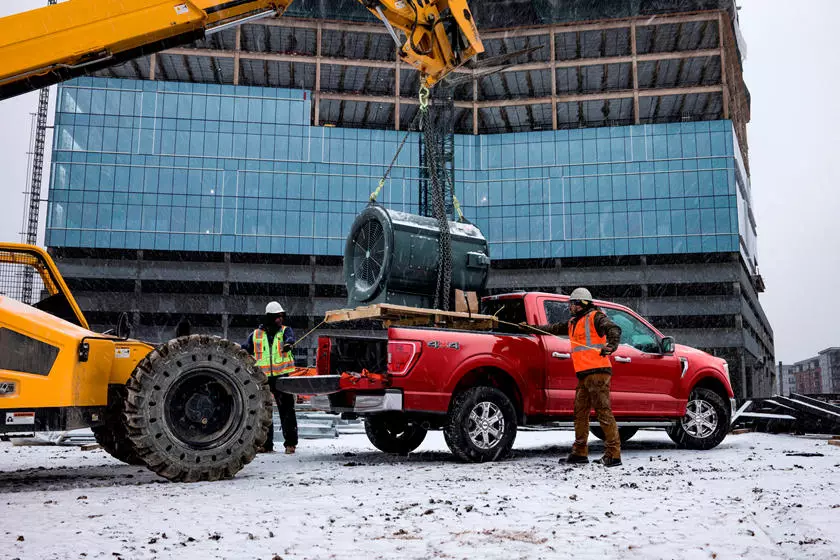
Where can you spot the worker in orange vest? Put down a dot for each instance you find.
(594, 337)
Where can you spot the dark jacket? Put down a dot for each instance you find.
(603, 326)
(288, 338)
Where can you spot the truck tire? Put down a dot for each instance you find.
(705, 424)
(394, 434)
(624, 433)
(197, 409)
(481, 425)
(112, 434)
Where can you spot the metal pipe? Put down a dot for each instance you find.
(388, 26)
(228, 25)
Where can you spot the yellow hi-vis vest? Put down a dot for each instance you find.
(272, 360)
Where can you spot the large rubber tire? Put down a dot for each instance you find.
(197, 409)
(490, 405)
(624, 433)
(112, 435)
(392, 433)
(688, 435)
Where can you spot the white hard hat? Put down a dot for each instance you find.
(273, 308)
(581, 294)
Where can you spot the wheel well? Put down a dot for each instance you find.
(714, 385)
(492, 377)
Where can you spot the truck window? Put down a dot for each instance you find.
(508, 310)
(634, 332)
(557, 312)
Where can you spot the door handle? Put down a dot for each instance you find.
(561, 355)
(623, 360)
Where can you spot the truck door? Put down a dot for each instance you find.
(560, 372)
(644, 380)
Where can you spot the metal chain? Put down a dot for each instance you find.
(432, 146)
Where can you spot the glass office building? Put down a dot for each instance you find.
(197, 167)
(205, 181)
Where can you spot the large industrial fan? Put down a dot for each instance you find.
(393, 257)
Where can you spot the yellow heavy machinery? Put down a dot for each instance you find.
(54, 43)
(194, 408)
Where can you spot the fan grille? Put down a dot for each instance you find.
(368, 254)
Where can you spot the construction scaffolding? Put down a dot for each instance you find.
(32, 201)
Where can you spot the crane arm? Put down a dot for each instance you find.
(55, 43)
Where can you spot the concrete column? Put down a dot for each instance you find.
(317, 92)
(635, 56)
(723, 70)
(475, 105)
(225, 324)
(552, 44)
(237, 47)
(226, 283)
(397, 92)
(152, 66)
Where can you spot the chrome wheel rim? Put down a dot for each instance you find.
(701, 419)
(486, 425)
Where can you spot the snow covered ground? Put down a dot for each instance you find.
(340, 498)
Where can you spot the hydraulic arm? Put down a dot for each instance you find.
(73, 38)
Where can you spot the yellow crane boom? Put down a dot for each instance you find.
(55, 43)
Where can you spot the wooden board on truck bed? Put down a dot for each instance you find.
(403, 316)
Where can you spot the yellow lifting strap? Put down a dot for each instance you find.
(424, 106)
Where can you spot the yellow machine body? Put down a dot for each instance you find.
(55, 363)
(58, 42)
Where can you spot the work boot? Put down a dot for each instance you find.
(290, 450)
(265, 449)
(609, 461)
(575, 459)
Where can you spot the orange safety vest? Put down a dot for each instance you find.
(587, 344)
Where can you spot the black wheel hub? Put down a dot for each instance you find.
(202, 408)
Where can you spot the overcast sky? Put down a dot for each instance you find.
(793, 75)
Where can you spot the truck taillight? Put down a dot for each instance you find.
(322, 360)
(401, 356)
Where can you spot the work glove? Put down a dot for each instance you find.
(287, 348)
(607, 350)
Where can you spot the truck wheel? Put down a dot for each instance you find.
(624, 433)
(112, 434)
(394, 434)
(197, 409)
(705, 423)
(481, 425)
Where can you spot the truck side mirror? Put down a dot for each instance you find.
(667, 345)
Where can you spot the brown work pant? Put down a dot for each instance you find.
(593, 391)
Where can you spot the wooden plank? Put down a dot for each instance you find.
(834, 442)
(741, 431)
(401, 315)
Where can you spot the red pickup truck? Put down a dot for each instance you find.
(479, 386)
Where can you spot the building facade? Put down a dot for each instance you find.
(819, 374)
(203, 181)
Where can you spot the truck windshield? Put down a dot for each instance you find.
(507, 310)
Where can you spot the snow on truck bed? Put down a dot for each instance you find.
(342, 499)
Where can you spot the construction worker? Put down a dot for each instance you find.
(271, 346)
(594, 337)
